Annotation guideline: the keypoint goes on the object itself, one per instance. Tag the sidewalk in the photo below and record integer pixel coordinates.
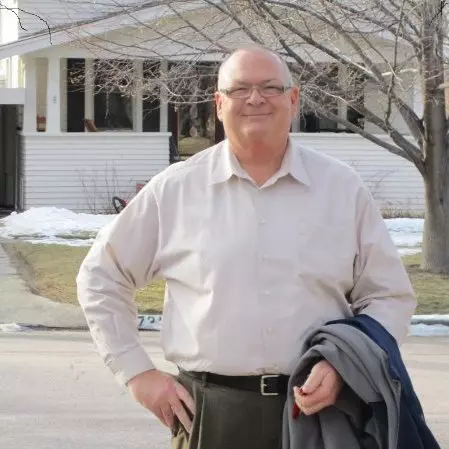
(19, 305)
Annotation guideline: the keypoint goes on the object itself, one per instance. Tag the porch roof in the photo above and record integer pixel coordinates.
(68, 33)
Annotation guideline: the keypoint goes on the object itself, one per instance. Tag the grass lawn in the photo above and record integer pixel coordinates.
(192, 145)
(50, 270)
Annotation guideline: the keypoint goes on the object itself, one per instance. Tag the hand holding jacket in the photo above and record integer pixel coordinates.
(320, 390)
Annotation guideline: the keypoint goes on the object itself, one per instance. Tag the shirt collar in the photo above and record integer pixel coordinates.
(293, 164)
(227, 165)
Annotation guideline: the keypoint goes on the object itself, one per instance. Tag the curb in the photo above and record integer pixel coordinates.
(442, 320)
(154, 323)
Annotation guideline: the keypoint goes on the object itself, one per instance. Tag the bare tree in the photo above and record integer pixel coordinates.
(365, 56)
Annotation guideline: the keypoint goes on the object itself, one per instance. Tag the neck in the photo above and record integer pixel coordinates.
(260, 161)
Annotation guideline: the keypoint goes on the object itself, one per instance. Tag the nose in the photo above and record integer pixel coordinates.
(255, 98)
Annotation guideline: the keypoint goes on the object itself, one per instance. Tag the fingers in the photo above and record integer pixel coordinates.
(311, 403)
(162, 395)
(321, 394)
(320, 390)
(166, 416)
(185, 397)
(174, 409)
(314, 408)
(315, 378)
(181, 414)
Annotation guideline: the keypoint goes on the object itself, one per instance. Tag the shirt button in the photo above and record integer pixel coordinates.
(266, 293)
(262, 221)
(269, 330)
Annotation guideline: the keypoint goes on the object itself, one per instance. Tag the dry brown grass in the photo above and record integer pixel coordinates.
(51, 270)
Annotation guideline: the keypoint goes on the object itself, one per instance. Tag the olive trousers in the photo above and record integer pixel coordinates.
(227, 418)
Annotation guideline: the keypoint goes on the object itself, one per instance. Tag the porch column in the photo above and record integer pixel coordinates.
(63, 110)
(89, 89)
(54, 95)
(163, 109)
(30, 107)
(137, 98)
(342, 105)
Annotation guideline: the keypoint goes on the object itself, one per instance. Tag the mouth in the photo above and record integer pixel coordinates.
(255, 115)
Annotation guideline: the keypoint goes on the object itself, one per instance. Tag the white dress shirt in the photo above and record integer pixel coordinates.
(249, 270)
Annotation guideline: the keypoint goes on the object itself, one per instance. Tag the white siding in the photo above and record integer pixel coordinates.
(394, 182)
(82, 171)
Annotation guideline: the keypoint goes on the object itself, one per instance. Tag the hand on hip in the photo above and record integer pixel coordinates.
(164, 396)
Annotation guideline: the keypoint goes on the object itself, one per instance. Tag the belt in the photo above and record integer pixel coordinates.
(266, 385)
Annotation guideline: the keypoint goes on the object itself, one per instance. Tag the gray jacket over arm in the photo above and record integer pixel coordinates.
(351, 423)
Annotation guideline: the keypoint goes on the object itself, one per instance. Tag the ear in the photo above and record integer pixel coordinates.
(295, 97)
(219, 105)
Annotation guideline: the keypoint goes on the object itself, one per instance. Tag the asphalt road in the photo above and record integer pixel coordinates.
(55, 393)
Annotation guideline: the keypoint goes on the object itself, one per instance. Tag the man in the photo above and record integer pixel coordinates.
(260, 242)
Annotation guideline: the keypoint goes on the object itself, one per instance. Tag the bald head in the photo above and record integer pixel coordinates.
(227, 67)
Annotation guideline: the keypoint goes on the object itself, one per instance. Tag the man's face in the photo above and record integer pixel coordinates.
(258, 117)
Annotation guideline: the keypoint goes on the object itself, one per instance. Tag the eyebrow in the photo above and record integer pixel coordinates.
(245, 83)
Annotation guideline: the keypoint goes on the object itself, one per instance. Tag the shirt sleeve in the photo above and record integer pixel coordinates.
(382, 288)
(122, 259)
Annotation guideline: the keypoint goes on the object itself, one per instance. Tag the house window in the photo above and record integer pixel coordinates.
(151, 96)
(113, 108)
(75, 95)
(194, 116)
(353, 84)
(113, 111)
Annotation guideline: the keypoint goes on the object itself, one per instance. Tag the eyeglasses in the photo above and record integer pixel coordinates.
(246, 92)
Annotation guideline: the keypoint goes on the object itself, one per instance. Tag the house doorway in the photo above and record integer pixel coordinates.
(9, 159)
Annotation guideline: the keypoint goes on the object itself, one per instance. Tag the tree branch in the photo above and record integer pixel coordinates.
(397, 150)
(197, 30)
(235, 18)
(409, 116)
(393, 71)
(412, 26)
(16, 11)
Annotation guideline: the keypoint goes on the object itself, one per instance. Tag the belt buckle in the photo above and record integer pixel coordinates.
(263, 385)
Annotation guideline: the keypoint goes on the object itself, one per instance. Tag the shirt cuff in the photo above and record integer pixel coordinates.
(130, 364)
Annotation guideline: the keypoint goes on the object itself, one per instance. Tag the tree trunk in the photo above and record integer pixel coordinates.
(435, 150)
(436, 227)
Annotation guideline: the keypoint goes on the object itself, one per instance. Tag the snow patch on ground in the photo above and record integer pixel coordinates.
(407, 234)
(62, 226)
(12, 327)
(53, 225)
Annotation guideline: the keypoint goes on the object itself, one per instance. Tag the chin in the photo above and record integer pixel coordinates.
(256, 127)
(256, 134)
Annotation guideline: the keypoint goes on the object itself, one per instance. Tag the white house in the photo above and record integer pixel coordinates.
(55, 158)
